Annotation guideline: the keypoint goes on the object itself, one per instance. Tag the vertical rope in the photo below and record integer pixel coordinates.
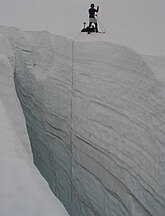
(71, 119)
(101, 25)
(71, 115)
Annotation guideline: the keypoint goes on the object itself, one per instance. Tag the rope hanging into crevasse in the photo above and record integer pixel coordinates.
(71, 113)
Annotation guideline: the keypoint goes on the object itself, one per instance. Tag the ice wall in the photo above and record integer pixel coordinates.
(23, 191)
(95, 116)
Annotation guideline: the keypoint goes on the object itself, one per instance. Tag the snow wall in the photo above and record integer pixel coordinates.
(95, 115)
(23, 191)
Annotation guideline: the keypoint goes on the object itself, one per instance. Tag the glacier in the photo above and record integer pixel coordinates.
(23, 191)
(95, 114)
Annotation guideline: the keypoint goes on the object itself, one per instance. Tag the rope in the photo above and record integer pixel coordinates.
(71, 114)
(101, 25)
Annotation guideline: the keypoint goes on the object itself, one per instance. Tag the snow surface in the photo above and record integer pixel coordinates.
(23, 191)
(95, 113)
(157, 64)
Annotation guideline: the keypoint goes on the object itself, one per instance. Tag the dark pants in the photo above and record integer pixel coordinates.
(96, 27)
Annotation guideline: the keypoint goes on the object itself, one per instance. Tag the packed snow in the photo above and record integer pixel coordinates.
(89, 114)
(157, 64)
(95, 117)
(23, 191)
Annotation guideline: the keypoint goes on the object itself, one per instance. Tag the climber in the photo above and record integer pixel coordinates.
(92, 18)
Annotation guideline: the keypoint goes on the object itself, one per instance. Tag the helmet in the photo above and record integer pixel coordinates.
(92, 5)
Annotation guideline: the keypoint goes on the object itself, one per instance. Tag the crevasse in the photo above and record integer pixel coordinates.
(97, 136)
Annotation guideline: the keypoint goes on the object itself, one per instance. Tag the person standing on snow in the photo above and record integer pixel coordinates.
(92, 18)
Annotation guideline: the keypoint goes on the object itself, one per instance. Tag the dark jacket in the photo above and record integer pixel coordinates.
(92, 12)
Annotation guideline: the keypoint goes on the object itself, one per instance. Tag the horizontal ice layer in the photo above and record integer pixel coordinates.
(118, 121)
(23, 191)
(157, 64)
(95, 116)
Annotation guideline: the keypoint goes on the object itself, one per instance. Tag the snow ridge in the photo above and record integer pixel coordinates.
(114, 164)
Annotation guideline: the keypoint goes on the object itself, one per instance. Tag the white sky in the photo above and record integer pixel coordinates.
(138, 24)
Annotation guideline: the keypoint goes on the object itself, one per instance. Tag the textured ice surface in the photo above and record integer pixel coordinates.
(23, 191)
(96, 123)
